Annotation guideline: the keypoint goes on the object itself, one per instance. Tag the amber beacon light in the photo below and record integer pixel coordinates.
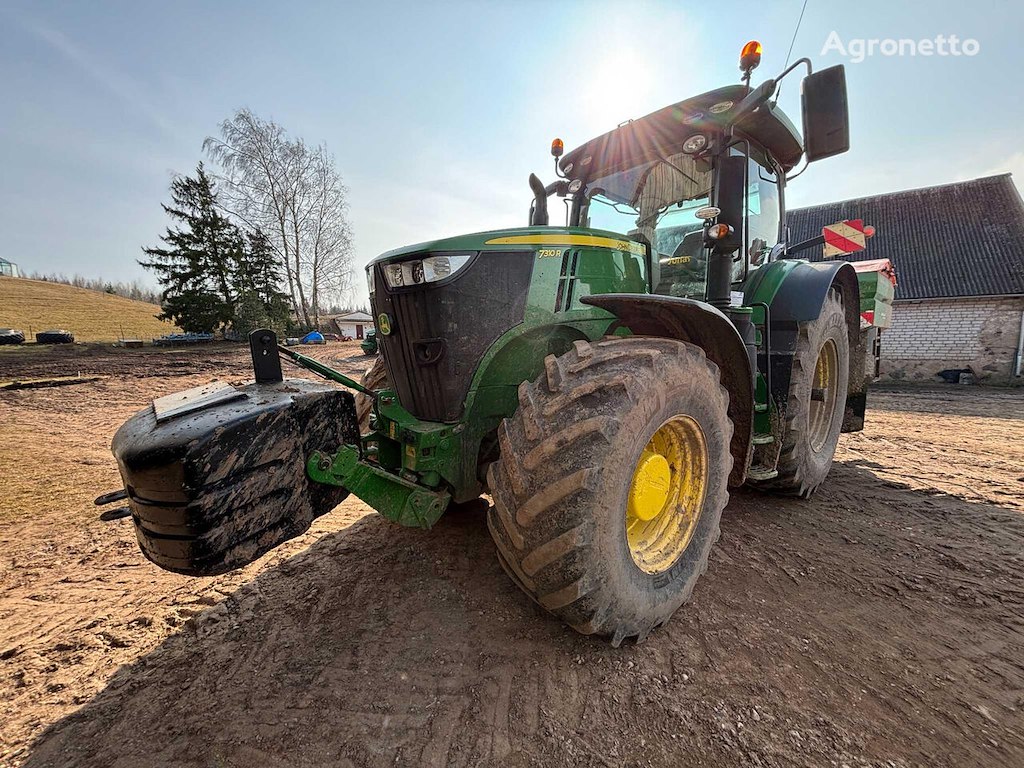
(750, 56)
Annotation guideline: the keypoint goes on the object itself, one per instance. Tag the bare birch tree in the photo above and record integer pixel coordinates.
(294, 193)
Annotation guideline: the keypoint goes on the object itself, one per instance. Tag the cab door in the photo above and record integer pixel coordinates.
(762, 215)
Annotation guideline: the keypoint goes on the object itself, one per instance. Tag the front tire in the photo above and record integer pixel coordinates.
(611, 483)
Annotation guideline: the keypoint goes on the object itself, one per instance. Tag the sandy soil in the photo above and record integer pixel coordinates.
(880, 623)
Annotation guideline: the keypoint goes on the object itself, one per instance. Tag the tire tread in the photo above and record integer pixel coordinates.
(550, 453)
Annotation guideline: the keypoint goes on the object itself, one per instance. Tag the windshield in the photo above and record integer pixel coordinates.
(656, 201)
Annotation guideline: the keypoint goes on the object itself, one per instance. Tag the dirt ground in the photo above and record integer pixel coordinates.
(880, 623)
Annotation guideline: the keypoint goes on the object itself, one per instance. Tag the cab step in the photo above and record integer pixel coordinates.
(761, 473)
(763, 438)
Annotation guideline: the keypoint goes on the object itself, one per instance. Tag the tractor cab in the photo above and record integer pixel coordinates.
(668, 179)
(654, 180)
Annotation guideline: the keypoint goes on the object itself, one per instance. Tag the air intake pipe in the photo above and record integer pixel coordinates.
(730, 196)
(539, 206)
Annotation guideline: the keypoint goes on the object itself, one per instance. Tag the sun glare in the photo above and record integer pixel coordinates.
(617, 87)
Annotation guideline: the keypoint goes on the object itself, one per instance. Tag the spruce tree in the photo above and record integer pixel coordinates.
(199, 261)
(255, 279)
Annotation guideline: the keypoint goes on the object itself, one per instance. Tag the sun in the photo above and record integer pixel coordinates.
(618, 86)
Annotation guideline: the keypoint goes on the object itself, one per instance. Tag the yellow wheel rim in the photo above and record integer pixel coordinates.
(823, 395)
(666, 495)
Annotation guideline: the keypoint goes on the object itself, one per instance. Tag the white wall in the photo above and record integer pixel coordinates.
(929, 336)
(349, 329)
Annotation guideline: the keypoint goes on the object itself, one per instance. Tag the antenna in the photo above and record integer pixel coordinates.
(791, 43)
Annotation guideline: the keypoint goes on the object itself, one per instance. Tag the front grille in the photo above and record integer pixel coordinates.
(440, 332)
(419, 386)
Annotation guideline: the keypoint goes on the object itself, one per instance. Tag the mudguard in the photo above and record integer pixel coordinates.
(704, 325)
(801, 292)
(795, 291)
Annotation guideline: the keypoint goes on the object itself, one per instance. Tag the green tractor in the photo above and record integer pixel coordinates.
(369, 343)
(605, 381)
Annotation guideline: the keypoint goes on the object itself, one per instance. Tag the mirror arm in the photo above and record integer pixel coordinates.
(754, 100)
(803, 245)
(561, 188)
(805, 61)
(795, 175)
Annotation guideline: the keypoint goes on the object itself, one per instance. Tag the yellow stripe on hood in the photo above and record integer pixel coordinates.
(595, 240)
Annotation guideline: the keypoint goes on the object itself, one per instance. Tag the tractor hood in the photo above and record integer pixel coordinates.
(518, 238)
(440, 305)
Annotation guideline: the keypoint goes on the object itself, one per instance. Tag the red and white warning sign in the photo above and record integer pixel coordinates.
(843, 237)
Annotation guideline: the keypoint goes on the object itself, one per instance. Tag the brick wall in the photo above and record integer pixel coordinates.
(930, 336)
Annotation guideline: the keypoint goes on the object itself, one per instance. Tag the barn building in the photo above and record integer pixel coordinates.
(958, 250)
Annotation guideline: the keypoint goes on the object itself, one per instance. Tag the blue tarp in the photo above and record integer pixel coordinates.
(313, 337)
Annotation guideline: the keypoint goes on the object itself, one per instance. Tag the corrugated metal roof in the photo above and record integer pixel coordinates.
(954, 240)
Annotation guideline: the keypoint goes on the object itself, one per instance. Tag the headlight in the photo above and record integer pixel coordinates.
(429, 270)
(440, 267)
(395, 275)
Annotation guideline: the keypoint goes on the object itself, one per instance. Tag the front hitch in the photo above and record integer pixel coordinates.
(398, 499)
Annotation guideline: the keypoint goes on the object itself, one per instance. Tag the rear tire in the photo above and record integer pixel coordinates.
(565, 482)
(811, 436)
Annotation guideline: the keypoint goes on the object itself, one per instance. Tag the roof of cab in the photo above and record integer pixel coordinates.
(662, 132)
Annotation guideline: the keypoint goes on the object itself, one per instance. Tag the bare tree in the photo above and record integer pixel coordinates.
(329, 259)
(293, 193)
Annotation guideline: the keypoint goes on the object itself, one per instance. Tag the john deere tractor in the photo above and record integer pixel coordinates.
(605, 380)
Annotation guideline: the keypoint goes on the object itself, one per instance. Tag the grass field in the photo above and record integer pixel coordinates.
(34, 305)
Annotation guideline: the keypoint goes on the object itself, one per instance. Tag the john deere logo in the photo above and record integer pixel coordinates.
(384, 324)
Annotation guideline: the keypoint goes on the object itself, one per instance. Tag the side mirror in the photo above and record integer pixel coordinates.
(730, 198)
(826, 115)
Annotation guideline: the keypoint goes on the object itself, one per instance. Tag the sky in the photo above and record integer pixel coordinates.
(436, 113)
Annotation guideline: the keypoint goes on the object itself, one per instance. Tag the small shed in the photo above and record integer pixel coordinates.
(353, 324)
